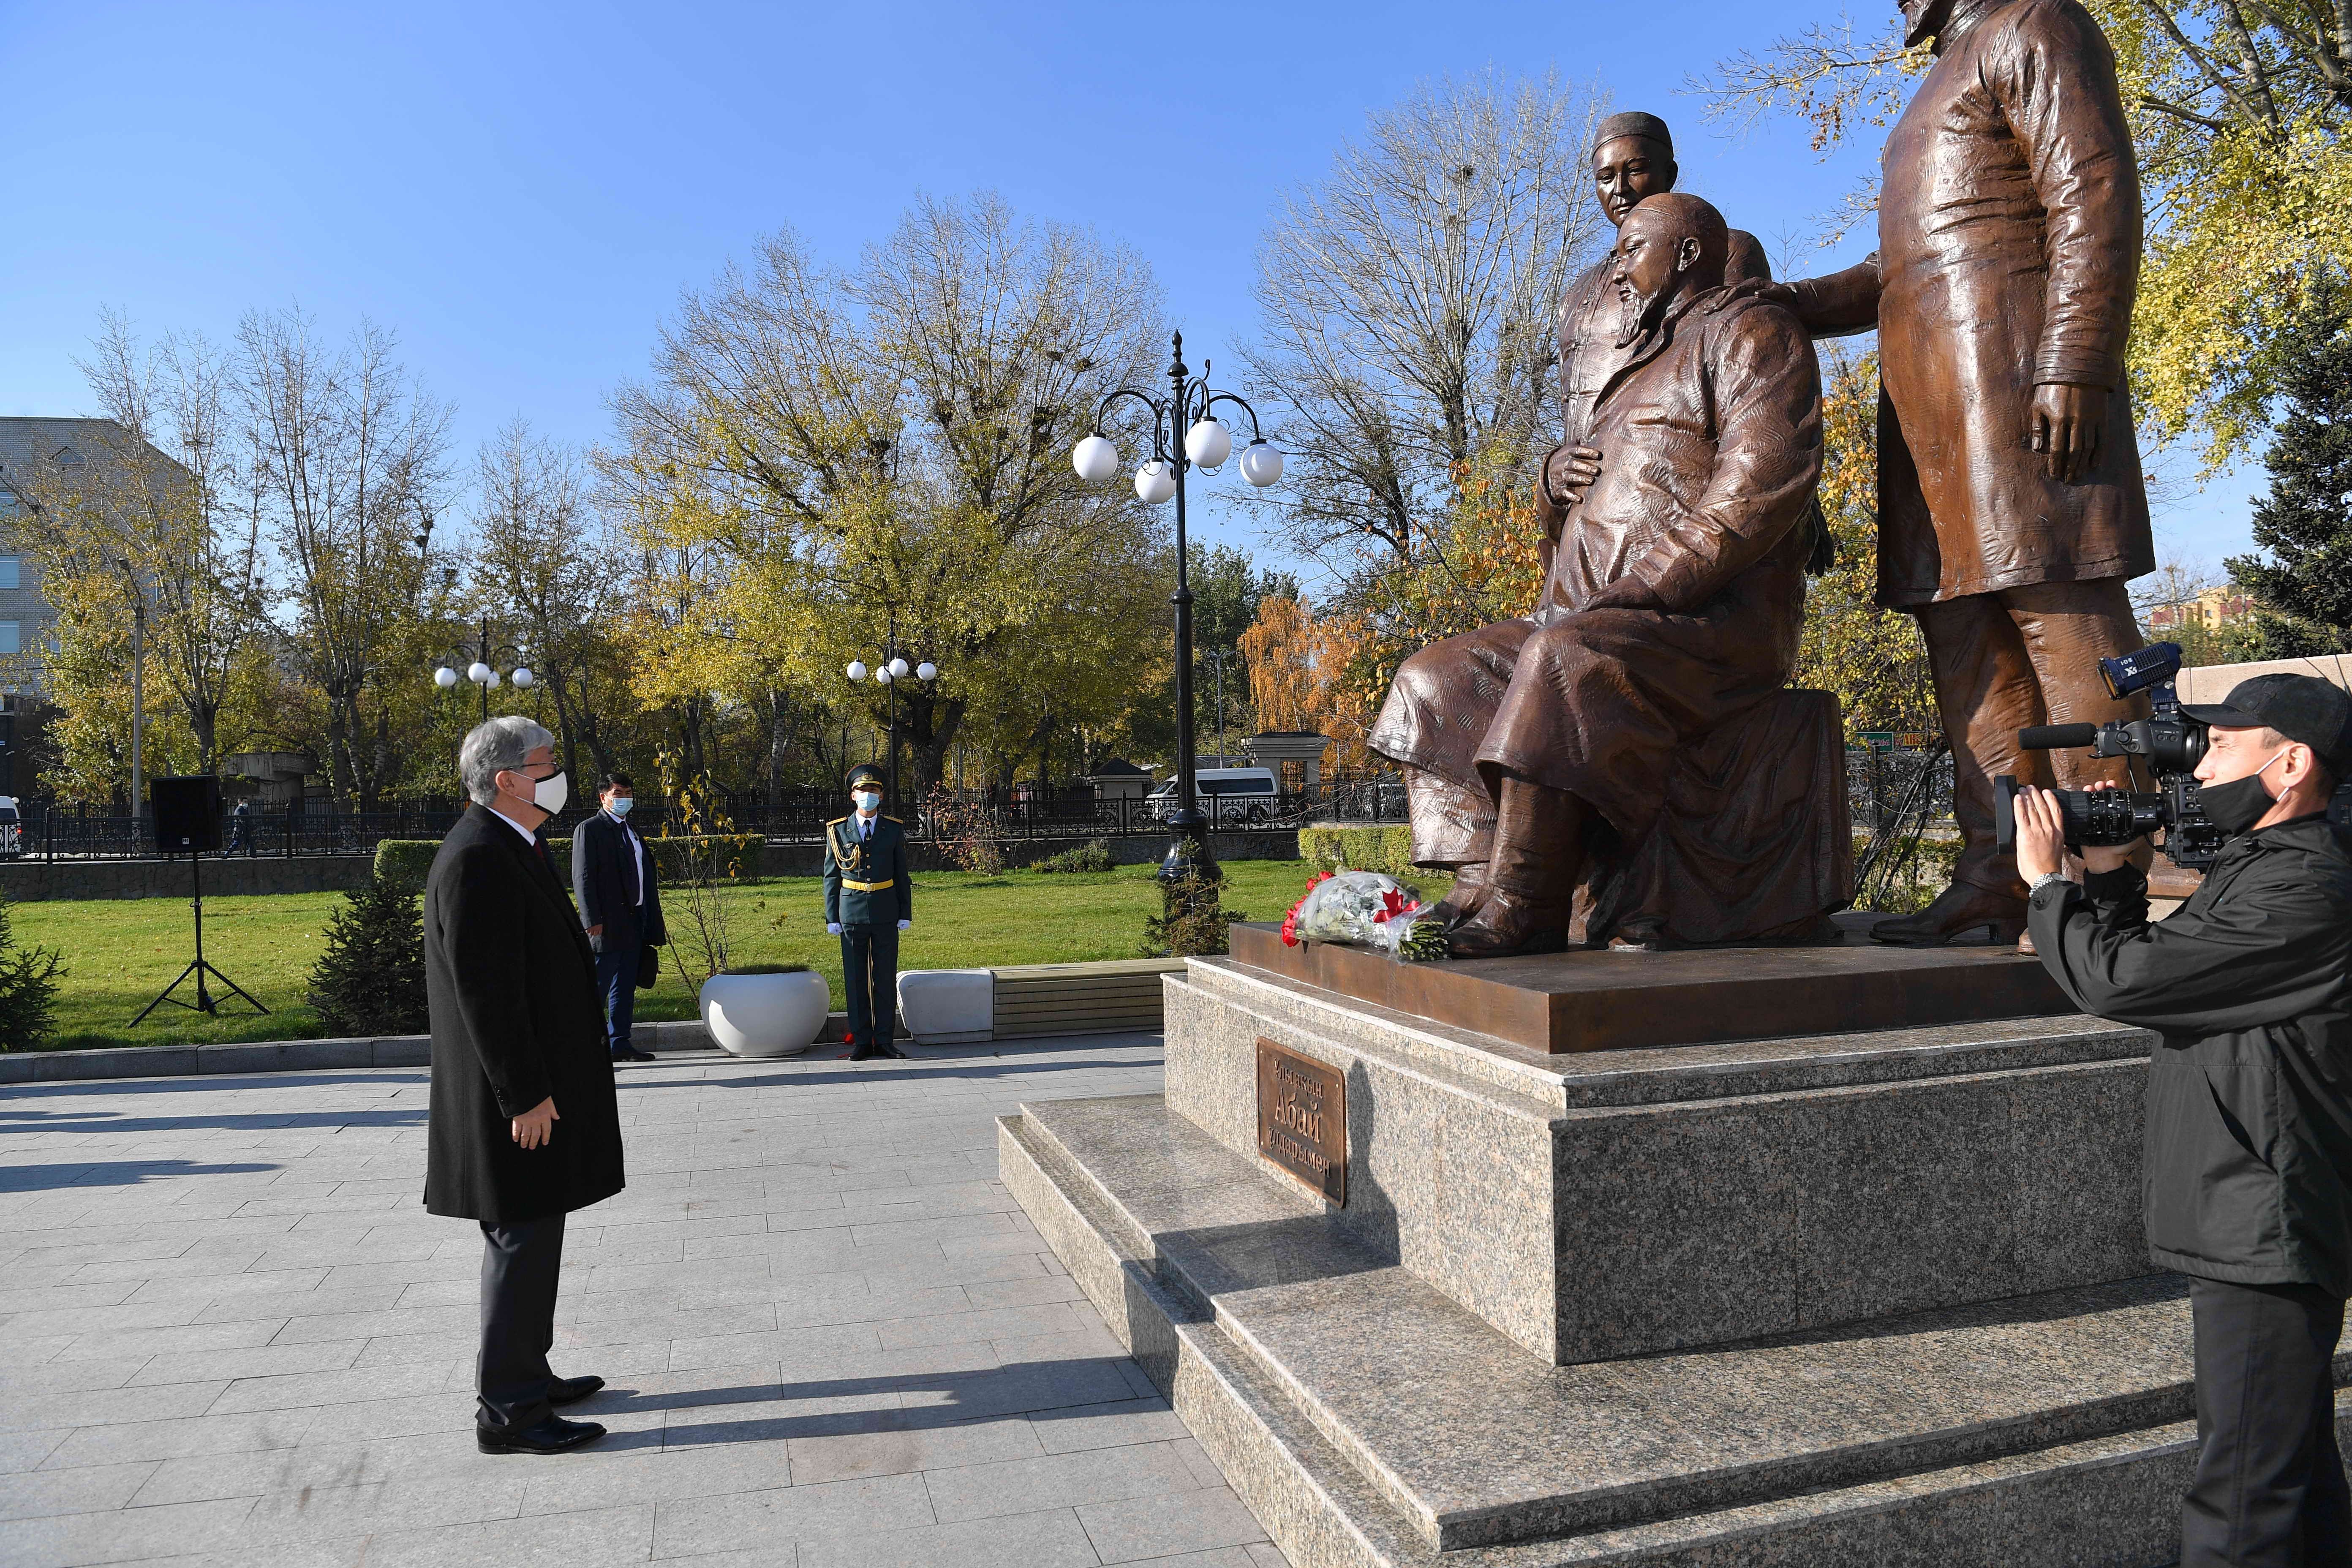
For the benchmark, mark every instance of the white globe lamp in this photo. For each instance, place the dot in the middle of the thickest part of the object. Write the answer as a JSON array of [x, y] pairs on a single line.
[[898, 669], [1209, 443], [1261, 463], [493, 682], [884, 675], [857, 670], [523, 676], [927, 670], [1095, 458], [1154, 483], [444, 677], [478, 673]]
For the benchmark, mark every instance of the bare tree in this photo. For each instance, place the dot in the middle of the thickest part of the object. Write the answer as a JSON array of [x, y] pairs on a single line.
[[552, 568], [348, 461], [1408, 299]]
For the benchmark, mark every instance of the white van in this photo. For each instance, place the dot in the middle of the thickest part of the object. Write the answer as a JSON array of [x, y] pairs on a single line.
[[1225, 795]]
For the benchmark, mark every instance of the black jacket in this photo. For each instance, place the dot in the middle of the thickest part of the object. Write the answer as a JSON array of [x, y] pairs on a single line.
[[511, 989], [865, 880], [2247, 1173], [606, 884]]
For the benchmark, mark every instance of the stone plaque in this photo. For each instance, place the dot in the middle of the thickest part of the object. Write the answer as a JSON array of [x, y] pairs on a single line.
[[1302, 1119]]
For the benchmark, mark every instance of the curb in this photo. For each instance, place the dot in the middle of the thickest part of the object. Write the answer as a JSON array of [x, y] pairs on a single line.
[[280, 1056]]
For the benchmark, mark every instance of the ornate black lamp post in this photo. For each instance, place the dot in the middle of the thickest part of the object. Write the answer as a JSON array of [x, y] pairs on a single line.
[[889, 672], [1204, 443], [477, 656]]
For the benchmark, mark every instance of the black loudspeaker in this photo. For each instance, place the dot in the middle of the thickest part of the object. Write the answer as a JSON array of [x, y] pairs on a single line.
[[187, 811]]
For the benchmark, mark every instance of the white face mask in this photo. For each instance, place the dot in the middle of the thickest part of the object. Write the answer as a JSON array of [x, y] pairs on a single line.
[[868, 801], [552, 791]]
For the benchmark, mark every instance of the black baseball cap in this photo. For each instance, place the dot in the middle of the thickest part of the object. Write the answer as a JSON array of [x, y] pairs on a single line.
[[865, 770], [2300, 707]]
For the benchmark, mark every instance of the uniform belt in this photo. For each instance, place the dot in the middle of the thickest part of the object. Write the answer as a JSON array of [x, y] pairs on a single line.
[[869, 887]]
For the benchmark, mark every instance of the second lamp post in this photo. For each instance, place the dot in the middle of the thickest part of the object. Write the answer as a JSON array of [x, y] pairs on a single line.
[[479, 671], [1185, 434], [889, 672]]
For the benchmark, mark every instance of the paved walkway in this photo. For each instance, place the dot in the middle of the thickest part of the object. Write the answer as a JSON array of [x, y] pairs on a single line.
[[229, 1334]]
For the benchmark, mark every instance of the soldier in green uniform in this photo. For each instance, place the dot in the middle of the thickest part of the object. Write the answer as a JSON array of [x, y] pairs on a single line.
[[867, 902]]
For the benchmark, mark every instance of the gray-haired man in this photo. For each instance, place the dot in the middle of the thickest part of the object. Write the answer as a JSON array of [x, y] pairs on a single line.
[[523, 1127]]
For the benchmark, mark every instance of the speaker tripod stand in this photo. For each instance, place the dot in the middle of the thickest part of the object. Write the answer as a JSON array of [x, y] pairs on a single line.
[[205, 1002]]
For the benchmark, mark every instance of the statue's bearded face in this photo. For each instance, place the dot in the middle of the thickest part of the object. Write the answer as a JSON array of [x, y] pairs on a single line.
[[1923, 19], [1627, 168], [1651, 258]]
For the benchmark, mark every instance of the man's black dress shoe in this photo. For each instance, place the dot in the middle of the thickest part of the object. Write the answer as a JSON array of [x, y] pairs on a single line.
[[553, 1435], [571, 1390], [631, 1054], [887, 1049]]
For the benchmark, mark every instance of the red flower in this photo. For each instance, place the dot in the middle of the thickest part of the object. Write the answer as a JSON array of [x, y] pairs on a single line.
[[1392, 904]]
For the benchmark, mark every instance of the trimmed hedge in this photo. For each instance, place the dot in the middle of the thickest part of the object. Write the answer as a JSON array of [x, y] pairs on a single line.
[[404, 862], [1383, 849]]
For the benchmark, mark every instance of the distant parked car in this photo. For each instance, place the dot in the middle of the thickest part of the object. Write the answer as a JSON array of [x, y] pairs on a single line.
[[12, 830], [1225, 795]]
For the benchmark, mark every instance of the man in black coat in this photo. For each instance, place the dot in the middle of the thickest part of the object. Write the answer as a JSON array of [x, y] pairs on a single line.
[[612, 877], [2246, 1179], [524, 1126]]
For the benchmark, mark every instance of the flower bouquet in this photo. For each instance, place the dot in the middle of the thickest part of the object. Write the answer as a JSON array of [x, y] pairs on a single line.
[[1365, 908]]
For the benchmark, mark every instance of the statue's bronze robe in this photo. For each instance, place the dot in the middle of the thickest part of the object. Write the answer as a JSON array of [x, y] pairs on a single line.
[[1673, 600], [2009, 226]]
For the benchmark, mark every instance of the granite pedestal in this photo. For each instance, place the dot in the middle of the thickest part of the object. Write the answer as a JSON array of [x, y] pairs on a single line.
[[1876, 1297]]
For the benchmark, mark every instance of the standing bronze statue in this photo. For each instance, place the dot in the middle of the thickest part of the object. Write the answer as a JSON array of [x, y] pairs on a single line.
[[1670, 611], [2010, 509]]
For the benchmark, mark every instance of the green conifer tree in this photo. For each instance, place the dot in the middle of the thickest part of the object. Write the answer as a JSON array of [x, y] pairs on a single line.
[[2304, 527], [29, 990], [370, 978]]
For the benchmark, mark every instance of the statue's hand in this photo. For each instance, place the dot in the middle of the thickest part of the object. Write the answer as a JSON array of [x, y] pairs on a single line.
[[1780, 294], [2066, 425], [1569, 471]]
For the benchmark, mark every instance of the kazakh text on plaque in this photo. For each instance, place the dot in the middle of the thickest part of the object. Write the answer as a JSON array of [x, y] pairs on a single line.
[[1302, 1119]]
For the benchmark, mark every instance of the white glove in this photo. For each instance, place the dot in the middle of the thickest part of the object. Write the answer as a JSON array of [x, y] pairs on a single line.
[[904, 924], [832, 928]]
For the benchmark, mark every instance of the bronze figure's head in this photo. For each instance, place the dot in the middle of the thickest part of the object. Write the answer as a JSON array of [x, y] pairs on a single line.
[[1669, 246], [1924, 20], [1632, 157]]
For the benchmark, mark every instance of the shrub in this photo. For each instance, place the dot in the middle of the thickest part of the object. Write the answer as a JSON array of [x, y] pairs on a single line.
[[404, 862], [970, 834], [1095, 855], [1383, 848], [370, 978], [29, 990], [1191, 922]]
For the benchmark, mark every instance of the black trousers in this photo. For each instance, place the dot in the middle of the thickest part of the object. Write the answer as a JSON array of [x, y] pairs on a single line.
[[520, 1263], [2270, 1489], [869, 971], [616, 987]]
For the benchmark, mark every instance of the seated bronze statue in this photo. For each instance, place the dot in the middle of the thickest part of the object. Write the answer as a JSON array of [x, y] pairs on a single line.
[[1678, 515]]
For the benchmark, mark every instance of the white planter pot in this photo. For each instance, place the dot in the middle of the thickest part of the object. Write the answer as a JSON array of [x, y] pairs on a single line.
[[765, 1015]]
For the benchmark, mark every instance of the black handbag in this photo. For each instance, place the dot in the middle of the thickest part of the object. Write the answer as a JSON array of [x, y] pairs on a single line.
[[648, 967]]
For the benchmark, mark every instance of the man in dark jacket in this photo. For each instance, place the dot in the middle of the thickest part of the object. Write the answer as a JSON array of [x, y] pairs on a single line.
[[524, 1127], [620, 904], [867, 902], [2247, 1173]]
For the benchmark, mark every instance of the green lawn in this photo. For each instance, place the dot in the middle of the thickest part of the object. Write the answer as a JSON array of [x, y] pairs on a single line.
[[120, 953]]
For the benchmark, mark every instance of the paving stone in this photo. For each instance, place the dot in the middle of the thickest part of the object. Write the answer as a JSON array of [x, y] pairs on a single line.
[[1047, 1538], [1136, 1529], [1061, 1480], [813, 1301]]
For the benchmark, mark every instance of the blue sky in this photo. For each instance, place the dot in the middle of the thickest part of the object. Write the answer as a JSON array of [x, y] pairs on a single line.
[[521, 191]]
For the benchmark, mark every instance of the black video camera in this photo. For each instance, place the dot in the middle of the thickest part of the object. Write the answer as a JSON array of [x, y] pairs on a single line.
[[2169, 741]]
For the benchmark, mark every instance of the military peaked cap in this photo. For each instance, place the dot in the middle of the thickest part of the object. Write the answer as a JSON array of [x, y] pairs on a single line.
[[865, 770]]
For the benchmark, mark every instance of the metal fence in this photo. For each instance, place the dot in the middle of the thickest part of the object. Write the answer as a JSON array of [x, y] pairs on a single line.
[[1909, 784], [66, 834]]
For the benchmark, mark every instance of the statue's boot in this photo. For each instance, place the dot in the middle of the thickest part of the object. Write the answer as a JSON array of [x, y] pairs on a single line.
[[1531, 880], [1959, 911], [1469, 892]]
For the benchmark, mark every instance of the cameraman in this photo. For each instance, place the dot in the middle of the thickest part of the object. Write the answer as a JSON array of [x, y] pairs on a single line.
[[2247, 1173]]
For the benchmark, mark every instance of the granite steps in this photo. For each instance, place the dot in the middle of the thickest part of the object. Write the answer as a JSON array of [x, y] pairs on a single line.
[[1377, 1422]]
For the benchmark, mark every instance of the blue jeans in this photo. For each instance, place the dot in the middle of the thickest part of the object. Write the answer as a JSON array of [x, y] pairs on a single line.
[[617, 985]]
